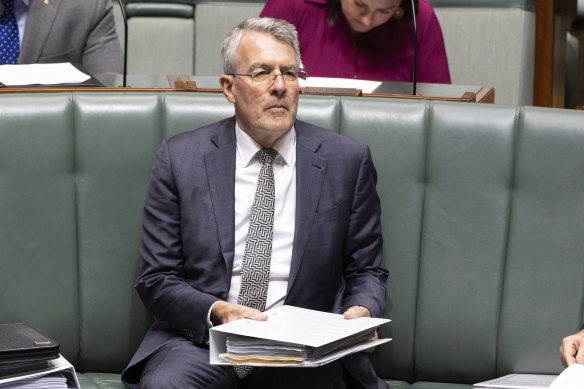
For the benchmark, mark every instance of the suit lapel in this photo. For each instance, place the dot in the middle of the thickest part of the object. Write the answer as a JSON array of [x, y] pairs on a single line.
[[39, 22], [220, 168], [310, 172]]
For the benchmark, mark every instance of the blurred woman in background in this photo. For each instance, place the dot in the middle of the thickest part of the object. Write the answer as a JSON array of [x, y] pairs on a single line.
[[366, 39]]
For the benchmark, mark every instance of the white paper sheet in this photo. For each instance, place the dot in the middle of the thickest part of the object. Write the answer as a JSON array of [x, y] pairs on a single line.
[[301, 326], [571, 378], [519, 381], [41, 74], [327, 82]]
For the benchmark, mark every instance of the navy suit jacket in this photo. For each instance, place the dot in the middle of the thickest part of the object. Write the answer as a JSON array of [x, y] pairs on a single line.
[[188, 231]]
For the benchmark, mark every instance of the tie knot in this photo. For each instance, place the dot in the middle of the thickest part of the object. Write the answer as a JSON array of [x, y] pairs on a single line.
[[267, 155]]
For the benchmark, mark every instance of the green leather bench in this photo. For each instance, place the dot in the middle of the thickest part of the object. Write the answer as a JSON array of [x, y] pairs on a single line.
[[483, 218]]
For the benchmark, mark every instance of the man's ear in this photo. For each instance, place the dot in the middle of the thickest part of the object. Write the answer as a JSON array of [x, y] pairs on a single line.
[[227, 87]]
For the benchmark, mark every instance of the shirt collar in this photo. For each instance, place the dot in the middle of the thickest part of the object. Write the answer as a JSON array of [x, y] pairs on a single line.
[[247, 147]]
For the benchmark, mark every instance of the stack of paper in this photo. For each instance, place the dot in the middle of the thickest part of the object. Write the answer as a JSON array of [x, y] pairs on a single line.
[[51, 381], [30, 360], [52, 374], [292, 337], [244, 349]]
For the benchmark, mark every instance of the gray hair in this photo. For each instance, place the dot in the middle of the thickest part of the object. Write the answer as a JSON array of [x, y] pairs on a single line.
[[279, 29]]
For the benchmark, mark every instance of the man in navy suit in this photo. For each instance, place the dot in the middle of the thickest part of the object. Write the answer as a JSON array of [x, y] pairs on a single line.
[[326, 246]]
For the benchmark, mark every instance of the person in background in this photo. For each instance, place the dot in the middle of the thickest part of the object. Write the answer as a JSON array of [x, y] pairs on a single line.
[[572, 349], [250, 213], [48, 31], [366, 39]]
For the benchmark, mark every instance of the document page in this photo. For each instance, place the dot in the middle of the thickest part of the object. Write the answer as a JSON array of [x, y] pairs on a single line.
[[327, 82], [571, 378], [41, 74], [301, 326], [519, 381]]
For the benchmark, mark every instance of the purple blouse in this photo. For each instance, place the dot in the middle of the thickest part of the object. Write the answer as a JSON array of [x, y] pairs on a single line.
[[382, 54]]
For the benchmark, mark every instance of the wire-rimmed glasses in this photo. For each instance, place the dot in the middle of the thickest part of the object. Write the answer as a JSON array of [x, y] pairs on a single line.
[[266, 78]]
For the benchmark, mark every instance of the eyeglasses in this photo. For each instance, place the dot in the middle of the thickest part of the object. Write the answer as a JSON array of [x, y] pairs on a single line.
[[266, 78]]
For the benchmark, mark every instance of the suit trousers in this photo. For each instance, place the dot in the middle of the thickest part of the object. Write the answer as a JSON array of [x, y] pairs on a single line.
[[182, 364]]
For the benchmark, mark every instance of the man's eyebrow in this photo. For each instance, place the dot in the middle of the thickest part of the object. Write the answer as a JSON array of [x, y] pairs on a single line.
[[265, 66], [290, 67], [259, 65]]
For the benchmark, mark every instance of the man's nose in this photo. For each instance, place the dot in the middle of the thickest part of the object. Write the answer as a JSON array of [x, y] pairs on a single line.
[[279, 85]]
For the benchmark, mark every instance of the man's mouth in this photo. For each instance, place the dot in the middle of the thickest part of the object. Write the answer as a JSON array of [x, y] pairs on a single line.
[[277, 107]]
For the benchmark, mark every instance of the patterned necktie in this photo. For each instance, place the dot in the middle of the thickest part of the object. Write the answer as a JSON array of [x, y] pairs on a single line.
[[255, 267], [9, 42]]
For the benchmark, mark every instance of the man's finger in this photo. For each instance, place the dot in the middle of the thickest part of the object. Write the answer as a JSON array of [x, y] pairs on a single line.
[[356, 311], [254, 314], [568, 351], [580, 355]]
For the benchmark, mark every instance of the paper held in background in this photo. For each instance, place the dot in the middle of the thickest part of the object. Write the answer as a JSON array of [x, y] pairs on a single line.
[[571, 378], [326, 82], [41, 74]]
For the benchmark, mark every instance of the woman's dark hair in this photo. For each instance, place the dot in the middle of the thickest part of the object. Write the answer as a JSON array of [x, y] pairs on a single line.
[[333, 8]]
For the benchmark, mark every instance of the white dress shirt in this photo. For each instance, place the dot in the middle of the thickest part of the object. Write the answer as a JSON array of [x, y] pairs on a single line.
[[247, 170]]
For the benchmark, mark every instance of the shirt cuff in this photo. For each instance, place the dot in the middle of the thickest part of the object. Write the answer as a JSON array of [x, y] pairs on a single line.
[[209, 323]]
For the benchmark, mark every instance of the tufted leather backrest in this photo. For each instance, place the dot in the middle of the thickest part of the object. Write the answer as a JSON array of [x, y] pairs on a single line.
[[483, 216]]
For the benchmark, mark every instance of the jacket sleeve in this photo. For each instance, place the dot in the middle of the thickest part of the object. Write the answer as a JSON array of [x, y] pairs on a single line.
[[160, 282], [102, 52], [364, 277]]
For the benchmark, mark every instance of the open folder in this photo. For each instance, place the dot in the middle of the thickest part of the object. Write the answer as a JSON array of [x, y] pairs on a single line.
[[292, 337]]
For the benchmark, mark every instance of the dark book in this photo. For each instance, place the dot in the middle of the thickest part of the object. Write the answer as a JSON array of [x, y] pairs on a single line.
[[21, 343]]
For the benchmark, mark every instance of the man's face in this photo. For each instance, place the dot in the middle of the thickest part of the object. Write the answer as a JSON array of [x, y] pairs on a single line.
[[265, 111]]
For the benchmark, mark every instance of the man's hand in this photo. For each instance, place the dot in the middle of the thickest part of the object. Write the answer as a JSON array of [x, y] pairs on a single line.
[[572, 349], [224, 312], [357, 311]]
